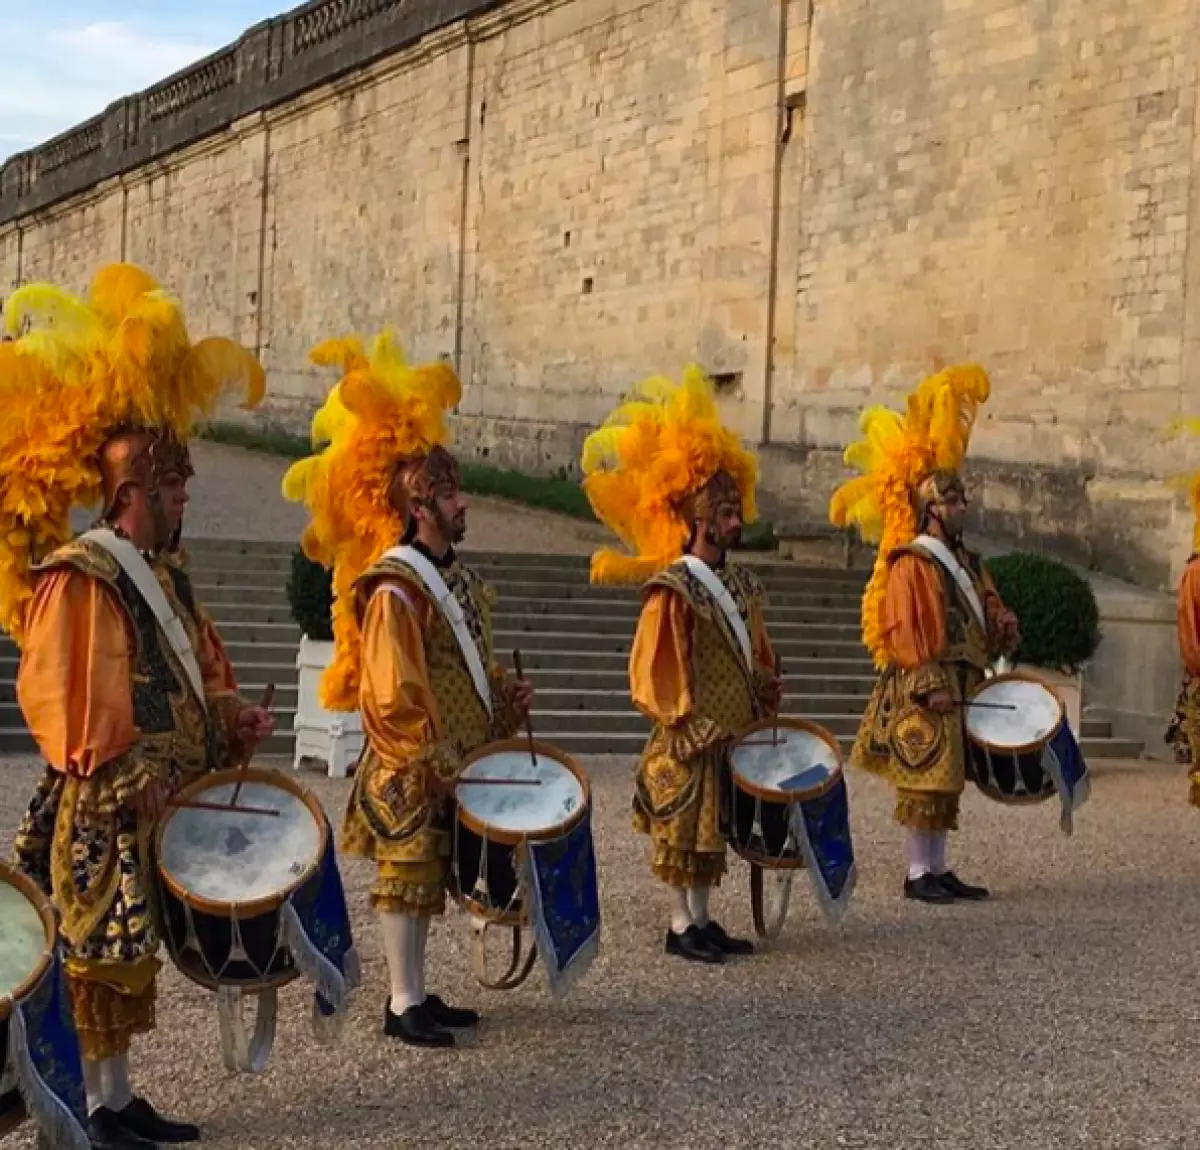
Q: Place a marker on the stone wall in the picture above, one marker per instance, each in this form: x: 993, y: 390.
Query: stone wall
x: 818, y: 203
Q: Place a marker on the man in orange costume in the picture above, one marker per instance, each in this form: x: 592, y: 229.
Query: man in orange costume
x: 664, y: 470
x: 414, y: 649
x: 123, y: 680
x: 1184, y: 732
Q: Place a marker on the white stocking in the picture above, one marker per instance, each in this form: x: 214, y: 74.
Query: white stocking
x: 93, y: 1083
x: 118, y: 1093
x: 698, y: 904
x: 681, y: 913
x: 920, y: 848
x: 937, y: 852
x: 417, y: 971
x: 401, y: 947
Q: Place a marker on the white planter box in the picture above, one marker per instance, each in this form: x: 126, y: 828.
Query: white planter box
x: 332, y: 737
x: 1069, y: 689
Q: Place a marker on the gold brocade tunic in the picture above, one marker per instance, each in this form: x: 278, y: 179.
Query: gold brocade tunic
x: 934, y: 642
x: 688, y: 676
x: 111, y: 710
x: 1184, y: 731
x: 421, y: 715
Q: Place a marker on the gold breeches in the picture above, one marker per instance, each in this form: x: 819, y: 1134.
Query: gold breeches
x: 410, y: 875
x: 110, y: 1007
x: 1184, y: 734
x: 677, y: 803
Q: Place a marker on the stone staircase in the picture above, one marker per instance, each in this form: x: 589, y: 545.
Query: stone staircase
x: 574, y: 641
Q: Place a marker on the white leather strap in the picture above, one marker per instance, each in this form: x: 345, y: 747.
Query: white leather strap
x: 143, y: 578
x: 946, y: 558
x: 453, y: 613
x: 720, y: 593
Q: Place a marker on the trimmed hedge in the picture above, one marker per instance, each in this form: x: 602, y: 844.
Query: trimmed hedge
x: 310, y: 595
x: 1060, y: 622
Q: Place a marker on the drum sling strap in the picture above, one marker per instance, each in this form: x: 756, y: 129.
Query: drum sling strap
x: 135, y: 566
x: 453, y: 614
x: 720, y: 594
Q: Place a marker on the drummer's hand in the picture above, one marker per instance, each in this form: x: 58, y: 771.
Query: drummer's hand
x: 1010, y: 628
x: 940, y: 702
x: 522, y: 697
x: 150, y: 801
x: 254, y: 724
x: 774, y: 692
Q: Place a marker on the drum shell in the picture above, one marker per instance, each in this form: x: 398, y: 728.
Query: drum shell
x: 45, y: 910
x: 269, y: 964
x: 12, y: 1107
x: 997, y: 771
x: 775, y: 814
x: 503, y: 847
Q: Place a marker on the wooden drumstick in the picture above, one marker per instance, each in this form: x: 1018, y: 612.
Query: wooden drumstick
x: 528, y: 714
x: 199, y: 805
x: 989, y: 706
x: 779, y: 676
x: 268, y: 698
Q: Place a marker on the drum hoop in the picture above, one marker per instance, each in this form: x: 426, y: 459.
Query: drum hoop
x: 45, y: 909
x: 786, y: 722
x: 267, y: 903
x: 512, y: 838
x: 1025, y: 748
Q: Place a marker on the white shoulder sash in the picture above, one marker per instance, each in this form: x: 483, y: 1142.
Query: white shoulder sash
x: 946, y: 558
x: 453, y: 613
x: 720, y: 593
x: 143, y: 578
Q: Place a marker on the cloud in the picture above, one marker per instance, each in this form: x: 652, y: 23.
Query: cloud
x: 55, y: 77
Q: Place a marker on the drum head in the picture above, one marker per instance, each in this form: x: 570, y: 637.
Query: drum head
x: 25, y: 940
x: 1036, y: 714
x: 539, y: 812
x: 803, y: 764
x: 221, y: 858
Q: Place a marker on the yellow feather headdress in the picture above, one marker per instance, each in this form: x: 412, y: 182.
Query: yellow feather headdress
x: 897, y: 452
x: 660, y: 446
x: 1188, y: 483
x: 380, y: 413
x: 76, y: 370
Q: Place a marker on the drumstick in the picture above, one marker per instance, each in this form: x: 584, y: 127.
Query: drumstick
x: 778, y: 675
x: 198, y: 805
x: 990, y: 706
x: 267, y: 699
x: 497, y: 782
x: 528, y: 715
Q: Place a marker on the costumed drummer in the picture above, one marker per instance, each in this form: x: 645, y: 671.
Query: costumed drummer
x: 932, y: 618
x: 1184, y: 731
x: 676, y: 486
x: 413, y: 644
x: 123, y: 680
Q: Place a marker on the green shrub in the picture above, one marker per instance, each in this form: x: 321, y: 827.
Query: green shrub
x: 310, y: 594
x: 1060, y: 622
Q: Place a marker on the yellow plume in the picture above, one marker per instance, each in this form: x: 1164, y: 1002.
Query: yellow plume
x: 896, y: 452
x: 78, y: 369
x: 380, y: 412
x: 661, y: 444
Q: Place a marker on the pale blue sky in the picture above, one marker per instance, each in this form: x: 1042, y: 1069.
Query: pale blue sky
x: 65, y: 60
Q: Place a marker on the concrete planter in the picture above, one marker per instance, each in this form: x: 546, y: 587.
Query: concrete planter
x: 332, y: 737
x: 1069, y: 689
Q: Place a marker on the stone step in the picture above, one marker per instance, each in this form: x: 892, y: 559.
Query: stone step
x: 213, y: 597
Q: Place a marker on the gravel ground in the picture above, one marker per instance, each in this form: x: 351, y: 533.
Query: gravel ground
x: 1061, y: 1014
x: 235, y: 495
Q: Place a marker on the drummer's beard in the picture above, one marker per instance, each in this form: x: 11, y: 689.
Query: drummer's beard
x: 723, y: 542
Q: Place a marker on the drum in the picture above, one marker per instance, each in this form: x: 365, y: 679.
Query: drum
x: 492, y: 823
x: 771, y: 768
x: 788, y: 808
x: 252, y: 900
x: 40, y: 1068
x: 523, y: 856
x: 1019, y: 746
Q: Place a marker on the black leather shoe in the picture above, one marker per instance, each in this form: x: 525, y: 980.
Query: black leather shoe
x: 693, y: 946
x: 716, y: 935
x: 455, y: 1017
x: 416, y: 1027
x: 926, y: 889
x: 140, y: 1118
x: 955, y: 886
x: 106, y: 1131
